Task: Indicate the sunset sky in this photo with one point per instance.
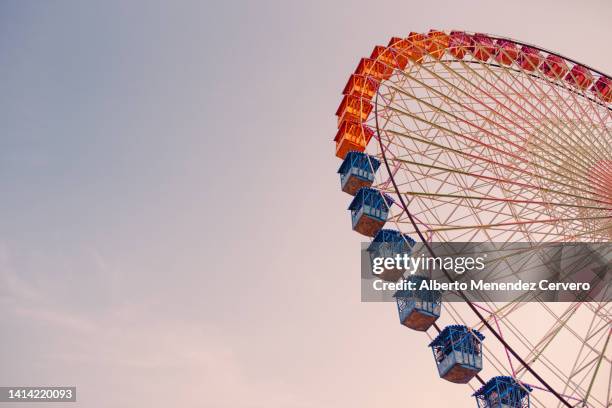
(173, 233)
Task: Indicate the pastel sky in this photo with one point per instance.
(172, 229)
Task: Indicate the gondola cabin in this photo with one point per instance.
(419, 308)
(352, 135)
(580, 76)
(603, 89)
(369, 211)
(554, 67)
(388, 57)
(417, 49)
(458, 353)
(529, 58)
(363, 86)
(460, 44)
(357, 171)
(401, 46)
(437, 43)
(507, 52)
(372, 68)
(353, 108)
(483, 47)
(387, 244)
(503, 392)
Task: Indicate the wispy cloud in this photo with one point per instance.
(188, 363)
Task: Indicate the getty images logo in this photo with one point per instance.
(411, 264)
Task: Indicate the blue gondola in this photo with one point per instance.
(357, 171)
(387, 244)
(369, 211)
(420, 308)
(458, 353)
(503, 392)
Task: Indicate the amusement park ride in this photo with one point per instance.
(457, 136)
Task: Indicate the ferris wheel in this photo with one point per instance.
(467, 137)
